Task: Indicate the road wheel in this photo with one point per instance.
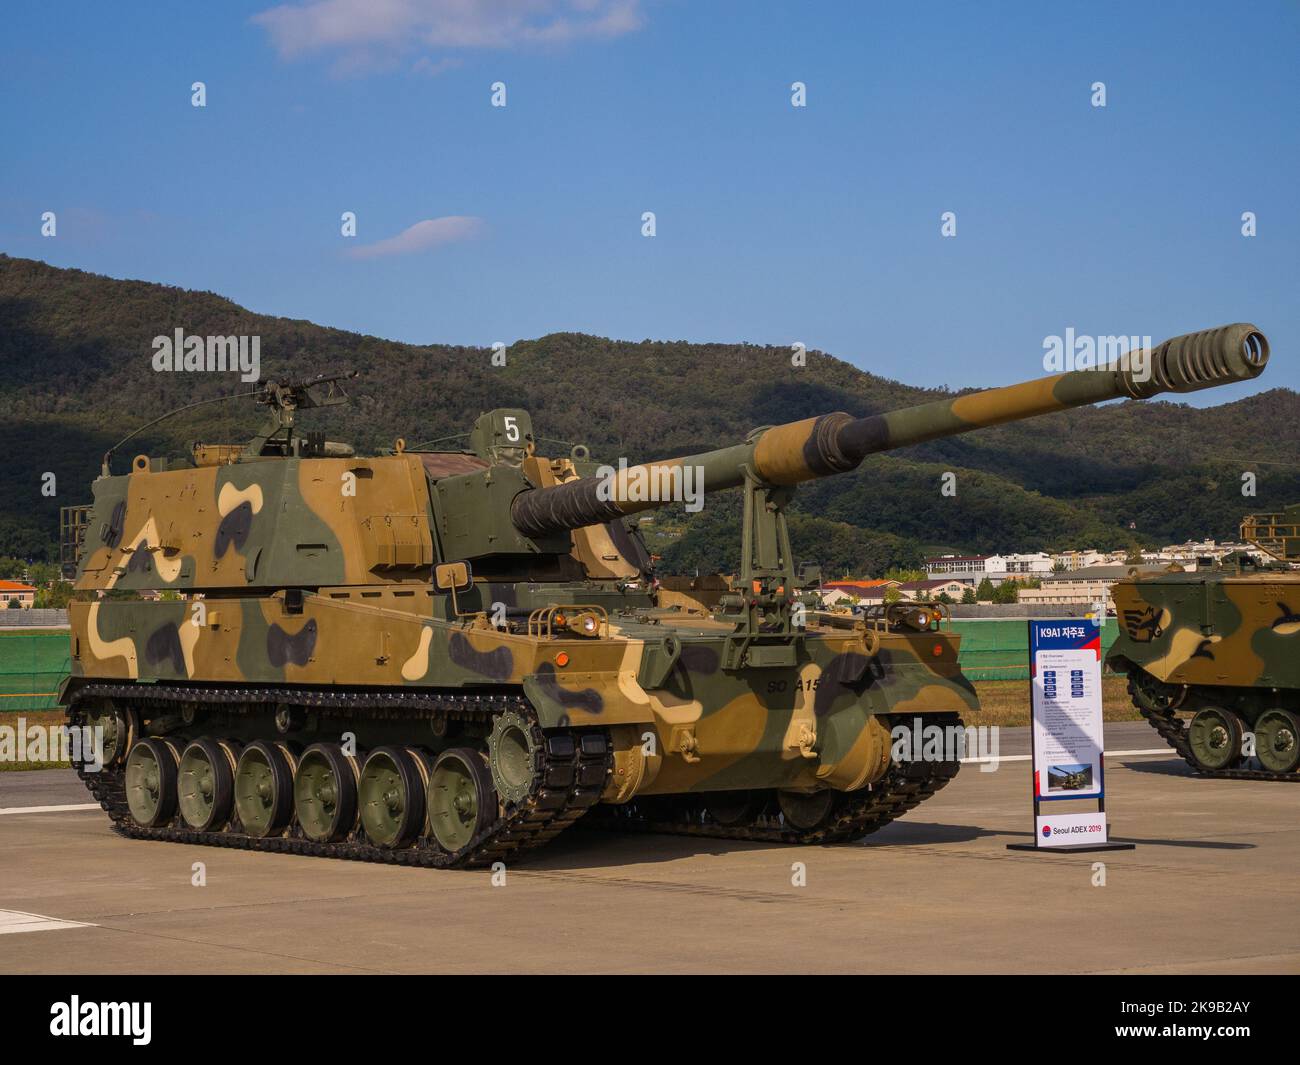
(205, 790)
(732, 809)
(392, 794)
(1215, 738)
(1277, 741)
(462, 802)
(264, 788)
(806, 810)
(325, 792)
(151, 782)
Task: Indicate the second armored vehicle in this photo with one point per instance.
(1213, 656)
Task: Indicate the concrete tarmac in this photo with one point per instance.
(1212, 887)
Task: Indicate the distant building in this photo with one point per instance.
(1069, 561)
(932, 589)
(1193, 550)
(1020, 567)
(839, 592)
(1089, 585)
(910, 590)
(971, 569)
(25, 594)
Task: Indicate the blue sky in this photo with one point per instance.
(775, 224)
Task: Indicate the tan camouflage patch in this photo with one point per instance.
(230, 497)
(106, 650)
(417, 665)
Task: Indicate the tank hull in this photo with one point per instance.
(710, 728)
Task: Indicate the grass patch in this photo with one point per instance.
(44, 718)
(1006, 702)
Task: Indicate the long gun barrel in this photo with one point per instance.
(836, 443)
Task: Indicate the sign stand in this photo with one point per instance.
(1067, 754)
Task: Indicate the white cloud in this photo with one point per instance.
(367, 34)
(433, 67)
(422, 236)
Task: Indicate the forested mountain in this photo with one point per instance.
(76, 375)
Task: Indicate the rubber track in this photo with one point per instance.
(1173, 730)
(903, 787)
(574, 767)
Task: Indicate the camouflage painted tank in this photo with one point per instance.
(1213, 656)
(446, 657)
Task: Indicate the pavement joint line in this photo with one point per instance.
(1109, 754)
(931, 851)
(766, 897)
(1185, 966)
(238, 946)
(221, 907)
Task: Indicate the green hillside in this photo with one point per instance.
(76, 375)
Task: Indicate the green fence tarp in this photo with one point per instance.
(998, 648)
(32, 665)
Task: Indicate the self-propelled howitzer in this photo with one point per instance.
(445, 657)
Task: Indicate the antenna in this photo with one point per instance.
(108, 455)
(284, 397)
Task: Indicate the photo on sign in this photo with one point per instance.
(1069, 777)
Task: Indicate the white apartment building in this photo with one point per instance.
(971, 569)
(1019, 567)
(1187, 553)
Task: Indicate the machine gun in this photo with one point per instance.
(278, 435)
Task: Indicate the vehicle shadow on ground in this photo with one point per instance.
(599, 847)
(1165, 767)
(1192, 844)
(924, 833)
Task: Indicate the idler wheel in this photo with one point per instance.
(325, 792)
(205, 790)
(1150, 694)
(462, 802)
(1215, 738)
(1277, 740)
(513, 753)
(151, 782)
(806, 810)
(264, 788)
(392, 793)
(120, 728)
